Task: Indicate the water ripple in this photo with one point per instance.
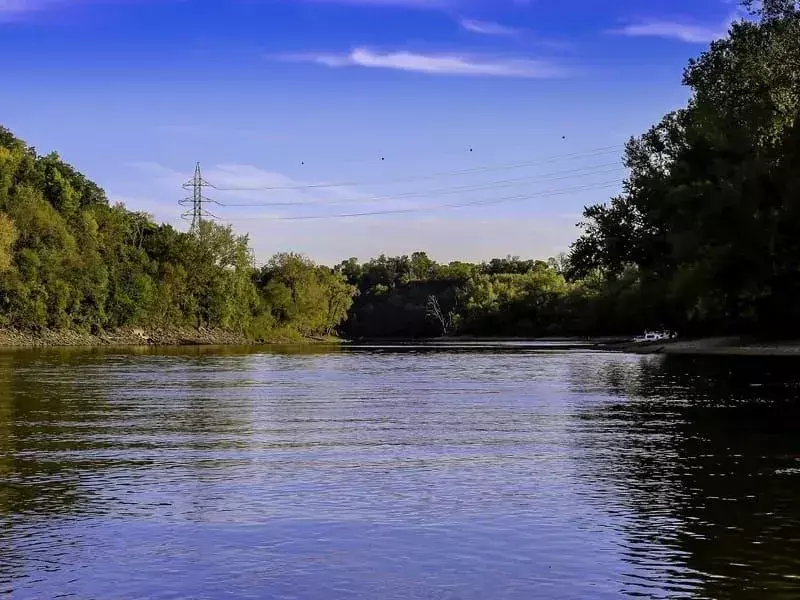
(448, 473)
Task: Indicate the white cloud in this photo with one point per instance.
(437, 64)
(476, 232)
(14, 9)
(18, 10)
(487, 27)
(684, 32)
(241, 191)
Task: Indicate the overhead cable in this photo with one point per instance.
(480, 169)
(601, 169)
(484, 202)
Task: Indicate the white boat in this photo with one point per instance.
(655, 336)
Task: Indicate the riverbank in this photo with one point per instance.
(731, 345)
(190, 336)
(137, 336)
(728, 346)
(470, 339)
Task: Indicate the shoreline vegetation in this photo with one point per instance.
(702, 240)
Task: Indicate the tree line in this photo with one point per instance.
(506, 297)
(706, 231)
(71, 260)
(703, 238)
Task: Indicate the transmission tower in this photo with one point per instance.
(196, 200)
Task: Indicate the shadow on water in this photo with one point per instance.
(710, 463)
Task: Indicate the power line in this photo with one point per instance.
(485, 202)
(489, 185)
(197, 212)
(481, 169)
(380, 156)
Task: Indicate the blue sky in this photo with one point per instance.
(514, 110)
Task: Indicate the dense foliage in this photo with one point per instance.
(703, 239)
(68, 259)
(416, 297)
(706, 229)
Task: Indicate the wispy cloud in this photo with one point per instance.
(437, 64)
(684, 32)
(492, 28)
(11, 10)
(237, 185)
(487, 27)
(692, 33)
(447, 235)
(20, 10)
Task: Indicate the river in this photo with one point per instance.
(455, 472)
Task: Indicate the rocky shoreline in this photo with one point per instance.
(128, 336)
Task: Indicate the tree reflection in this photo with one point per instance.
(40, 400)
(707, 457)
(40, 479)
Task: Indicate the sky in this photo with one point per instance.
(469, 129)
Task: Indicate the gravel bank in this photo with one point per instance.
(130, 336)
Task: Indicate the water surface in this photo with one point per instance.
(464, 472)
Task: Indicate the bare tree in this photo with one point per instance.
(139, 222)
(434, 311)
(559, 263)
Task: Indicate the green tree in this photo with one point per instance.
(8, 237)
(710, 209)
(301, 295)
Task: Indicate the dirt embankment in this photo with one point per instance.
(128, 336)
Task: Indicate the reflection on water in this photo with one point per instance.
(412, 472)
